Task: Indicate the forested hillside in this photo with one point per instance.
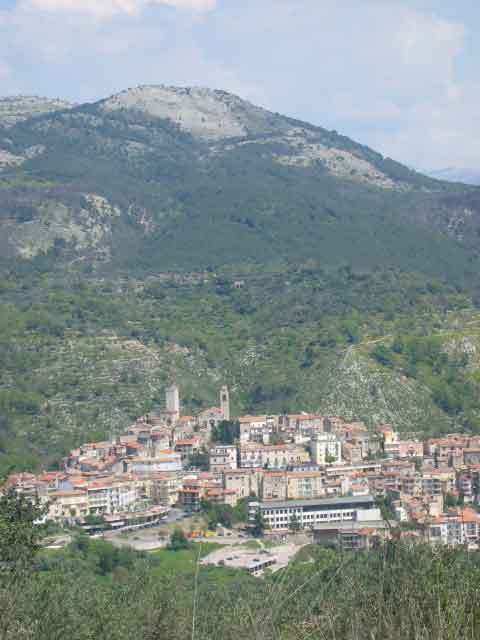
(83, 356)
(185, 234)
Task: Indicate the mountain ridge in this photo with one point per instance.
(190, 176)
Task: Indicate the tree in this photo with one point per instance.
(19, 535)
(178, 541)
(418, 462)
(294, 524)
(199, 460)
(240, 510)
(397, 344)
(258, 526)
(351, 329)
(107, 557)
(217, 513)
(383, 355)
(226, 432)
(386, 508)
(451, 500)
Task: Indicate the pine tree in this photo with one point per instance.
(294, 524)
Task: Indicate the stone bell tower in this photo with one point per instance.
(225, 402)
(172, 400)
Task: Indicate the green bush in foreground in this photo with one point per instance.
(394, 593)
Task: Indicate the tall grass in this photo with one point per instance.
(396, 593)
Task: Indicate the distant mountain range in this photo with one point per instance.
(453, 174)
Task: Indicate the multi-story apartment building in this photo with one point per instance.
(245, 482)
(223, 458)
(187, 447)
(326, 448)
(461, 527)
(111, 496)
(305, 485)
(255, 428)
(162, 488)
(274, 485)
(165, 461)
(438, 481)
(410, 449)
(447, 451)
(468, 484)
(272, 456)
(352, 453)
(66, 506)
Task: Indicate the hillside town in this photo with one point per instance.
(343, 484)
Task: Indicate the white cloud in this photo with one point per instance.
(196, 5)
(383, 72)
(110, 8)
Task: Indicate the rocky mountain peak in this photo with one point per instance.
(205, 113)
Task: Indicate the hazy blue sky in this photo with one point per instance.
(399, 75)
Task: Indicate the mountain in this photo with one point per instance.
(160, 177)
(16, 109)
(452, 174)
(185, 234)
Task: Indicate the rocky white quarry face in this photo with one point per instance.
(202, 112)
(89, 227)
(339, 162)
(305, 151)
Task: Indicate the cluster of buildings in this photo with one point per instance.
(299, 471)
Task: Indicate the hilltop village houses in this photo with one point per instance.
(307, 472)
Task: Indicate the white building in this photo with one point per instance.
(111, 497)
(272, 456)
(168, 462)
(462, 527)
(278, 515)
(223, 458)
(326, 448)
(252, 428)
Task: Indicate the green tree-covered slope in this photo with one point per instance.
(83, 356)
(125, 224)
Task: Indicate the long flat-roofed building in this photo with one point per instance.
(308, 513)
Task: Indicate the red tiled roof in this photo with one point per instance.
(469, 516)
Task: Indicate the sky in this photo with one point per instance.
(398, 75)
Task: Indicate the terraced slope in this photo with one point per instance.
(83, 356)
(183, 233)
